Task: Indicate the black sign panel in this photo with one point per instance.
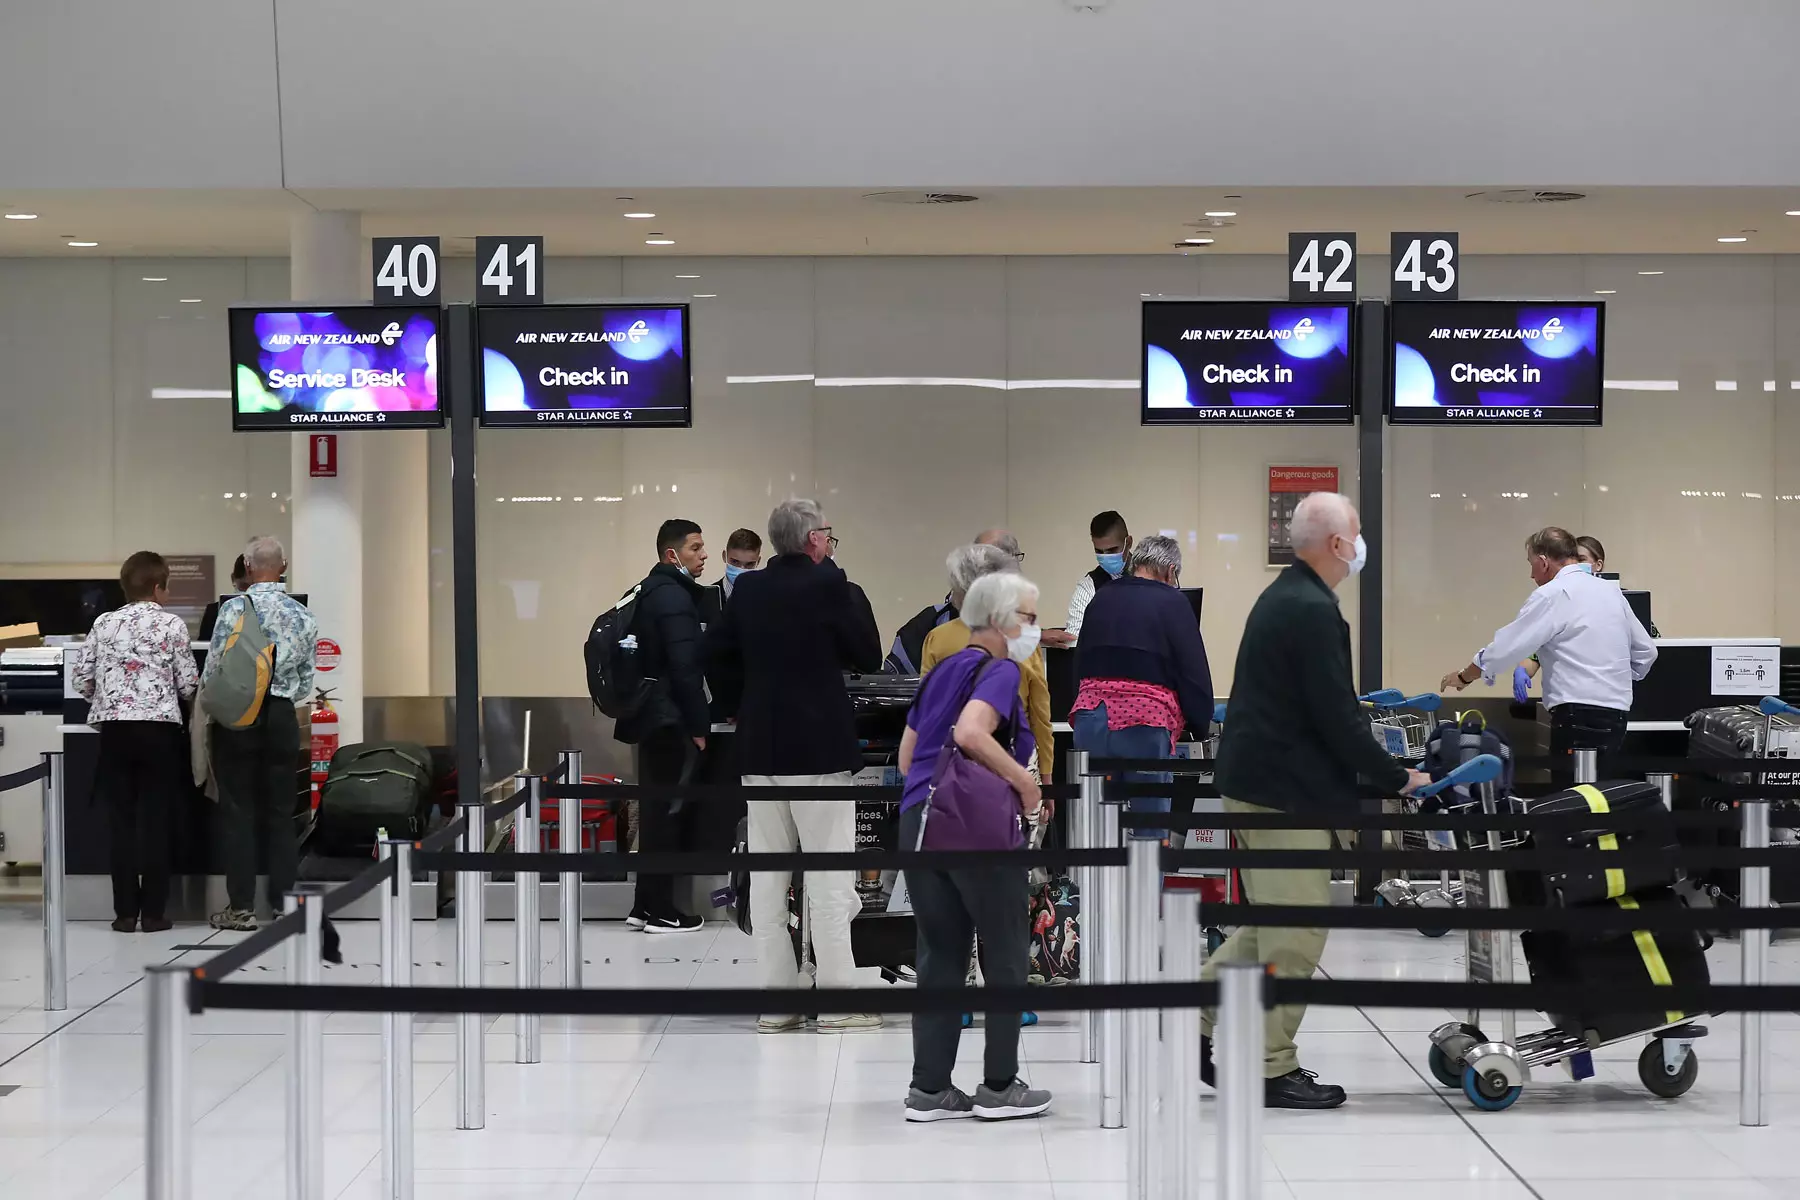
(1321, 266)
(1426, 266)
(406, 270)
(509, 270)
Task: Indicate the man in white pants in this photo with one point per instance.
(778, 655)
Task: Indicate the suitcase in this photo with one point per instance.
(1056, 931)
(1736, 732)
(1574, 884)
(1618, 959)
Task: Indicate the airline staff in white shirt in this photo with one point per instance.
(1590, 643)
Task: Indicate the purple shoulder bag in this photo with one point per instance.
(969, 807)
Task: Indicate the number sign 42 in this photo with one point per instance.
(1321, 265)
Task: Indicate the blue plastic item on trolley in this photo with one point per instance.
(1219, 713)
(1775, 706)
(1385, 698)
(1581, 1066)
(1483, 768)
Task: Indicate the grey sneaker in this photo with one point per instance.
(844, 1022)
(1016, 1101)
(947, 1105)
(240, 920)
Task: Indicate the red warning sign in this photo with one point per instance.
(329, 655)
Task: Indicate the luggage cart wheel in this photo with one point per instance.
(1444, 1069)
(1434, 933)
(1657, 1076)
(1489, 1090)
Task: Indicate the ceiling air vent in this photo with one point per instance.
(920, 198)
(1525, 196)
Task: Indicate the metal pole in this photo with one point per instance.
(1109, 933)
(306, 1057)
(1083, 835)
(168, 1163)
(1143, 917)
(528, 1027)
(56, 943)
(471, 1028)
(1181, 937)
(397, 1028)
(1587, 766)
(1753, 892)
(1238, 1059)
(568, 891)
(1665, 783)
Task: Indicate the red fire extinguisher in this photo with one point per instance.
(324, 742)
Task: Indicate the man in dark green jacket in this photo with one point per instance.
(1297, 741)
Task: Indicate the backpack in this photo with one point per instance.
(1456, 742)
(238, 676)
(615, 673)
(373, 786)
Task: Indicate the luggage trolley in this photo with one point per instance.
(1216, 885)
(1397, 724)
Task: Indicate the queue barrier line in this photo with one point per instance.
(1688, 789)
(1620, 764)
(1533, 859)
(29, 775)
(1546, 919)
(1557, 822)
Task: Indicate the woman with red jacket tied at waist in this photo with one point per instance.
(1143, 669)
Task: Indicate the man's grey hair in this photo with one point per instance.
(993, 599)
(1158, 553)
(966, 564)
(265, 554)
(1318, 517)
(791, 521)
(1003, 539)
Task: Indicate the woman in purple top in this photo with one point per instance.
(973, 698)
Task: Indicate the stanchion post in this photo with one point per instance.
(568, 891)
(1143, 926)
(397, 1028)
(1181, 937)
(1753, 1049)
(1238, 1060)
(1665, 786)
(1083, 835)
(306, 1055)
(56, 941)
(471, 1028)
(168, 1163)
(1109, 935)
(1587, 766)
(528, 1027)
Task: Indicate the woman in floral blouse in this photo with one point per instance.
(135, 669)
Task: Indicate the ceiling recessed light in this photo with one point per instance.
(156, 279)
(638, 216)
(687, 277)
(21, 216)
(659, 241)
(1734, 239)
(1198, 241)
(84, 245)
(1221, 213)
(1606, 291)
(191, 300)
(1649, 272)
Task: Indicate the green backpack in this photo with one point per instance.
(372, 786)
(238, 676)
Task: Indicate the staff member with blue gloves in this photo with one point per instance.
(1590, 643)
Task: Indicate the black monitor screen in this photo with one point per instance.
(610, 365)
(1247, 362)
(335, 368)
(1495, 362)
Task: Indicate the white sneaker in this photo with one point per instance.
(779, 1024)
(842, 1022)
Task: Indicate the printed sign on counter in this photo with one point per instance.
(1287, 487)
(328, 655)
(191, 587)
(1746, 670)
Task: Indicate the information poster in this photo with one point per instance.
(1287, 487)
(1746, 670)
(191, 587)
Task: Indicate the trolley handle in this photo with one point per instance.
(1483, 768)
(1775, 706)
(1395, 698)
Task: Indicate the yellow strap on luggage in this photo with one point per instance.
(1596, 801)
(1652, 956)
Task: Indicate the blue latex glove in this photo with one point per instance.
(1521, 685)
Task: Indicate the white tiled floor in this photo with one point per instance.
(692, 1109)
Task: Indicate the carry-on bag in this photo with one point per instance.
(1587, 879)
(373, 786)
(1608, 961)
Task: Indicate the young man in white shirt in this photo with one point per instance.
(1591, 645)
(1112, 546)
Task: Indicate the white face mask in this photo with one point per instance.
(1024, 644)
(1360, 559)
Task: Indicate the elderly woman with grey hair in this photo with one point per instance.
(1143, 670)
(970, 705)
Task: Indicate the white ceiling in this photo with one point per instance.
(820, 221)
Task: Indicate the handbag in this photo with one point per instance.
(968, 807)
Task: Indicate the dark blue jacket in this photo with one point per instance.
(1140, 629)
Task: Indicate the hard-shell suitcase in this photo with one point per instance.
(1736, 732)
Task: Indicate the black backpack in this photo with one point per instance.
(615, 672)
(1456, 742)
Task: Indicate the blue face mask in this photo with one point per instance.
(732, 571)
(1588, 567)
(1112, 564)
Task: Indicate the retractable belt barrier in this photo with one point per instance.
(29, 775)
(718, 793)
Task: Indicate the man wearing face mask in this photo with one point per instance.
(1297, 741)
(1590, 643)
(743, 552)
(1112, 547)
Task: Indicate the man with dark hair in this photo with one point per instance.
(240, 581)
(1591, 645)
(669, 730)
(1112, 546)
(135, 669)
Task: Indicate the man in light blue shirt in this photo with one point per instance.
(257, 768)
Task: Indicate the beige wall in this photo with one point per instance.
(90, 467)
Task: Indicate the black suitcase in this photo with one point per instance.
(1577, 882)
(1736, 732)
(372, 786)
(1612, 960)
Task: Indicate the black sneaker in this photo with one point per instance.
(637, 919)
(1300, 1089)
(673, 923)
(1206, 1063)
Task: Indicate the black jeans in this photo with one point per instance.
(1582, 727)
(666, 758)
(258, 773)
(141, 777)
(950, 907)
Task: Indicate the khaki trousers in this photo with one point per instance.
(1293, 953)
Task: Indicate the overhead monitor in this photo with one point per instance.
(609, 365)
(312, 368)
(1248, 362)
(1496, 362)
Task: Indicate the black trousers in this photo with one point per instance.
(666, 758)
(141, 776)
(257, 769)
(950, 907)
(1582, 727)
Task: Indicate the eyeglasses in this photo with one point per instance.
(830, 540)
(1019, 557)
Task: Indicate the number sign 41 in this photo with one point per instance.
(509, 270)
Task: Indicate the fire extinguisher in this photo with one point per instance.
(324, 742)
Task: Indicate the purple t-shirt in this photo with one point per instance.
(940, 702)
